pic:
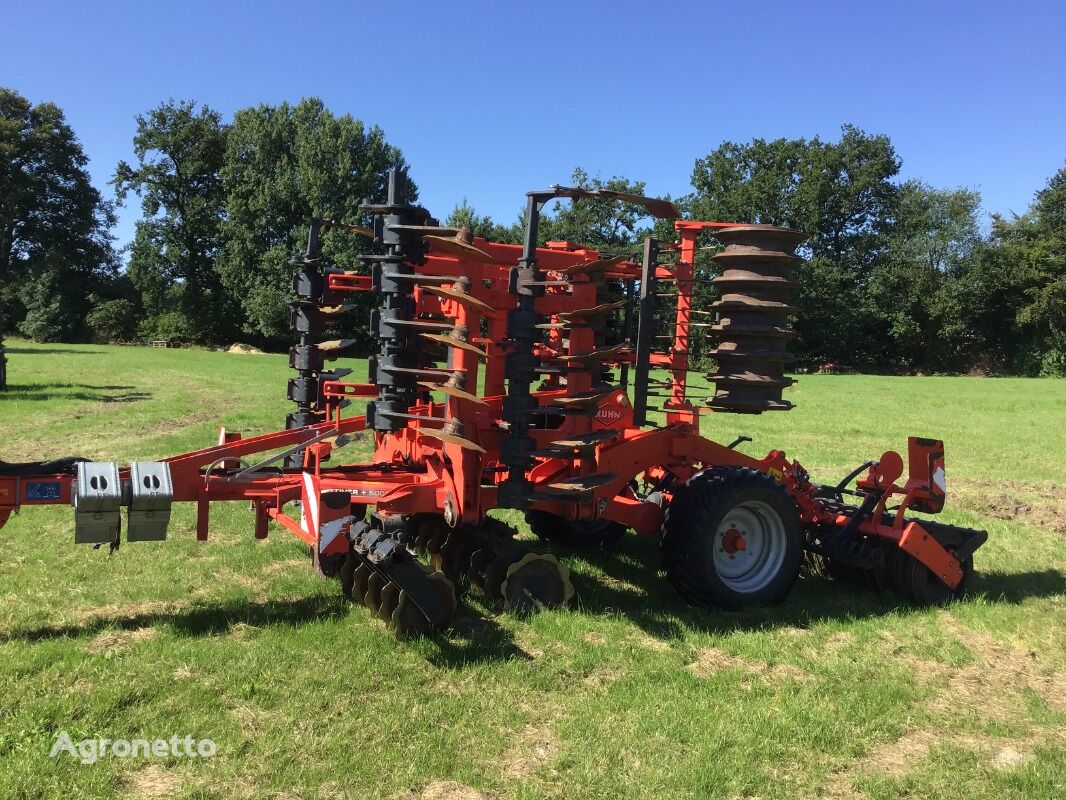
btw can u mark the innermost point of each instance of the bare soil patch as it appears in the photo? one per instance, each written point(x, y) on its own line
point(710, 661)
point(996, 685)
point(285, 565)
point(153, 782)
point(534, 747)
point(1042, 506)
point(253, 721)
point(447, 790)
point(904, 755)
point(1004, 671)
point(653, 644)
point(242, 631)
point(117, 641)
point(603, 675)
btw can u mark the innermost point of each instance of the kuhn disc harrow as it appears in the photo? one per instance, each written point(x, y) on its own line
point(494, 385)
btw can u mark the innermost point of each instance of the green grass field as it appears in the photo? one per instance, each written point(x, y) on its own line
point(837, 693)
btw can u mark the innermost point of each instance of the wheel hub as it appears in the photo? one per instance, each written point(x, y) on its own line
point(749, 546)
point(733, 541)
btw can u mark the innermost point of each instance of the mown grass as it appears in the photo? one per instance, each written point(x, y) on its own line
point(836, 693)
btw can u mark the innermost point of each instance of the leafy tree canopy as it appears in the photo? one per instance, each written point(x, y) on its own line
point(54, 226)
point(178, 175)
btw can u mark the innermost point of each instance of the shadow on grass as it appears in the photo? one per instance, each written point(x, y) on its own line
point(37, 351)
point(206, 619)
point(472, 638)
point(631, 588)
point(635, 588)
point(82, 391)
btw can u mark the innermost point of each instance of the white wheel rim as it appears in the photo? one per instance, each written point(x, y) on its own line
point(749, 546)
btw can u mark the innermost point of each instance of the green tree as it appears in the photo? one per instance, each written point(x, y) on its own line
point(284, 164)
point(1025, 266)
point(1045, 310)
point(113, 319)
point(933, 240)
point(178, 176)
point(55, 241)
point(464, 216)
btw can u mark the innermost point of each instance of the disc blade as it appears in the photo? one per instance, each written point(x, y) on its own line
point(534, 582)
point(390, 597)
point(458, 249)
point(452, 342)
point(460, 297)
point(577, 401)
point(479, 561)
point(593, 266)
point(451, 438)
point(344, 226)
point(334, 310)
point(372, 598)
point(655, 206)
point(360, 579)
point(336, 345)
point(583, 313)
point(453, 392)
point(408, 621)
point(595, 355)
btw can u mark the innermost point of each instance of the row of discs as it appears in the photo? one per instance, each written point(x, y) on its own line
point(487, 557)
point(392, 604)
point(893, 569)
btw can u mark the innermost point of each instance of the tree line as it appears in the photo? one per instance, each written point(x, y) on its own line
point(900, 277)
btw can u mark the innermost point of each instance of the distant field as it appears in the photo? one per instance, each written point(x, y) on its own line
point(837, 693)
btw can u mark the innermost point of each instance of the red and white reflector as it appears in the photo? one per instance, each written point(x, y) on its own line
point(325, 516)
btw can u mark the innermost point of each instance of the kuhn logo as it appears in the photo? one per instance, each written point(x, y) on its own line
point(608, 414)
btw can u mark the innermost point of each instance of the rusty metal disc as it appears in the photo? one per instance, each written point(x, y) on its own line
point(333, 311)
point(595, 355)
point(535, 582)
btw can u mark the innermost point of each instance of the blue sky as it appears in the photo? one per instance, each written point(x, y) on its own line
point(491, 99)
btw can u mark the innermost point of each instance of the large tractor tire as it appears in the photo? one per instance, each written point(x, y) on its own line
point(732, 538)
point(561, 532)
